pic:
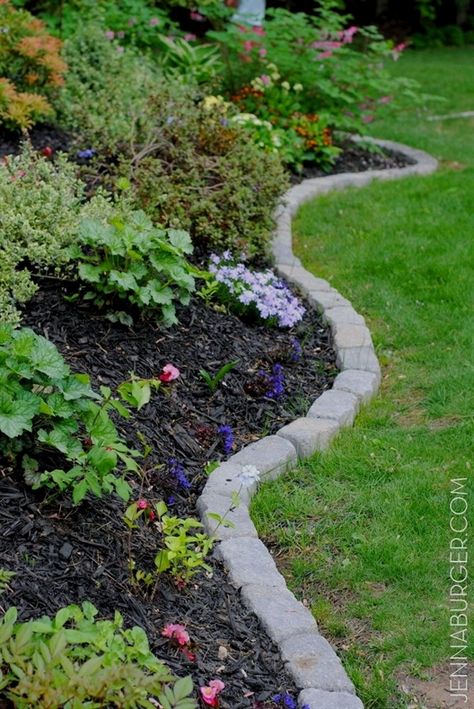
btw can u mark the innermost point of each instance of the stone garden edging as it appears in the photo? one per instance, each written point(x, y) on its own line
point(310, 659)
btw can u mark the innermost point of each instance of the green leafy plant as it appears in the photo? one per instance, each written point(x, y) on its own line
point(40, 207)
point(214, 380)
point(5, 578)
point(31, 67)
point(49, 414)
point(74, 660)
point(130, 260)
point(188, 63)
point(184, 549)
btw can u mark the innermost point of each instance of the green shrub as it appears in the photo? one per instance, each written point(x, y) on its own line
point(31, 67)
point(46, 410)
point(75, 661)
point(198, 172)
point(106, 94)
point(40, 204)
point(131, 260)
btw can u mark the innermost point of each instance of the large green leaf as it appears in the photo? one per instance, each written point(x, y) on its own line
point(181, 240)
point(17, 414)
point(45, 358)
point(123, 279)
point(90, 273)
point(76, 387)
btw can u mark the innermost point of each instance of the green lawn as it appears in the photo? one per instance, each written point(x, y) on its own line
point(362, 532)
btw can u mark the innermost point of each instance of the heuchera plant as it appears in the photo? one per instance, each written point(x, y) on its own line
point(48, 413)
point(260, 293)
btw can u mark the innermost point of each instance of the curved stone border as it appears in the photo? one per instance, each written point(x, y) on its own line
point(309, 658)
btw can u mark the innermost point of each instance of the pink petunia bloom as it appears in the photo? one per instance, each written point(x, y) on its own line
point(256, 29)
point(175, 631)
point(209, 694)
point(189, 37)
point(396, 51)
point(248, 45)
point(169, 373)
point(385, 99)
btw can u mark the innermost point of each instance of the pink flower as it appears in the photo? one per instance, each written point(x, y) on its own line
point(196, 16)
point(396, 51)
point(120, 50)
point(169, 373)
point(324, 55)
point(368, 118)
point(109, 34)
point(189, 37)
point(142, 504)
point(265, 79)
point(262, 52)
point(347, 35)
point(256, 29)
point(327, 44)
point(209, 694)
point(154, 21)
point(248, 45)
point(385, 99)
point(175, 631)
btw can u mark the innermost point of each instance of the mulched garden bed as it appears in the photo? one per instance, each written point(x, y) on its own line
point(63, 554)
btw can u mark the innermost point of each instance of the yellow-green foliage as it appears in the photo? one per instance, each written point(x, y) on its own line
point(40, 203)
point(31, 67)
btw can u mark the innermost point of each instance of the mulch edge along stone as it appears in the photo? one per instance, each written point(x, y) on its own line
point(309, 658)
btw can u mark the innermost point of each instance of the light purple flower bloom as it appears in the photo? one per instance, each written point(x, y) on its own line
point(154, 21)
point(109, 34)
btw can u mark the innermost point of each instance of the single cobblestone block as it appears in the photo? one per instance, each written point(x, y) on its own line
point(322, 300)
point(358, 358)
point(309, 434)
point(355, 381)
point(318, 699)
point(341, 406)
point(302, 278)
point(352, 336)
point(340, 316)
point(242, 525)
point(249, 562)
point(313, 663)
point(225, 480)
point(278, 610)
point(271, 455)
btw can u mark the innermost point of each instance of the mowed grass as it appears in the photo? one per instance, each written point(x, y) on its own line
point(362, 532)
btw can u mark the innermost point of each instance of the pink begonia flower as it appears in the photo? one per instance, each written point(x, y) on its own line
point(256, 29)
point(262, 52)
point(154, 21)
point(209, 694)
point(248, 45)
point(142, 504)
point(196, 16)
point(189, 37)
point(109, 34)
point(169, 373)
point(347, 35)
point(177, 632)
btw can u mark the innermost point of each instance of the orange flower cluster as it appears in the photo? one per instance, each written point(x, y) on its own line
point(245, 92)
point(30, 60)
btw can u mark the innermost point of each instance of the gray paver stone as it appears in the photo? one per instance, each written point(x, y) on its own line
point(249, 562)
point(362, 384)
point(342, 315)
point(270, 455)
point(338, 405)
point(318, 699)
point(322, 300)
point(313, 663)
point(352, 336)
point(238, 516)
point(302, 278)
point(225, 480)
point(309, 434)
point(358, 358)
point(278, 610)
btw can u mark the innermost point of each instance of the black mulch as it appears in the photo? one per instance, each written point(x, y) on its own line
point(64, 555)
point(356, 158)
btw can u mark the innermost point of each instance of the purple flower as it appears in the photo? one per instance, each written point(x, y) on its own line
point(86, 154)
point(109, 34)
point(275, 382)
point(154, 21)
point(297, 350)
point(285, 700)
point(227, 438)
point(176, 470)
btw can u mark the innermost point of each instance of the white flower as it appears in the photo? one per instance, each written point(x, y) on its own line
point(285, 85)
point(249, 475)
point(298, 87)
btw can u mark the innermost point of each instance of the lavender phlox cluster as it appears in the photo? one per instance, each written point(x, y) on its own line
point(286, 700)
point(227, 438)
point(275, 381)
point(176, 470)
point(262, 289)
point(296, 350)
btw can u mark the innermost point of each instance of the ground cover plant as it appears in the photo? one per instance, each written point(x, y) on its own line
point(363, 532)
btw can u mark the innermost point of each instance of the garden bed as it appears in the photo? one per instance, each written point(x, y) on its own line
point(63, 554)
